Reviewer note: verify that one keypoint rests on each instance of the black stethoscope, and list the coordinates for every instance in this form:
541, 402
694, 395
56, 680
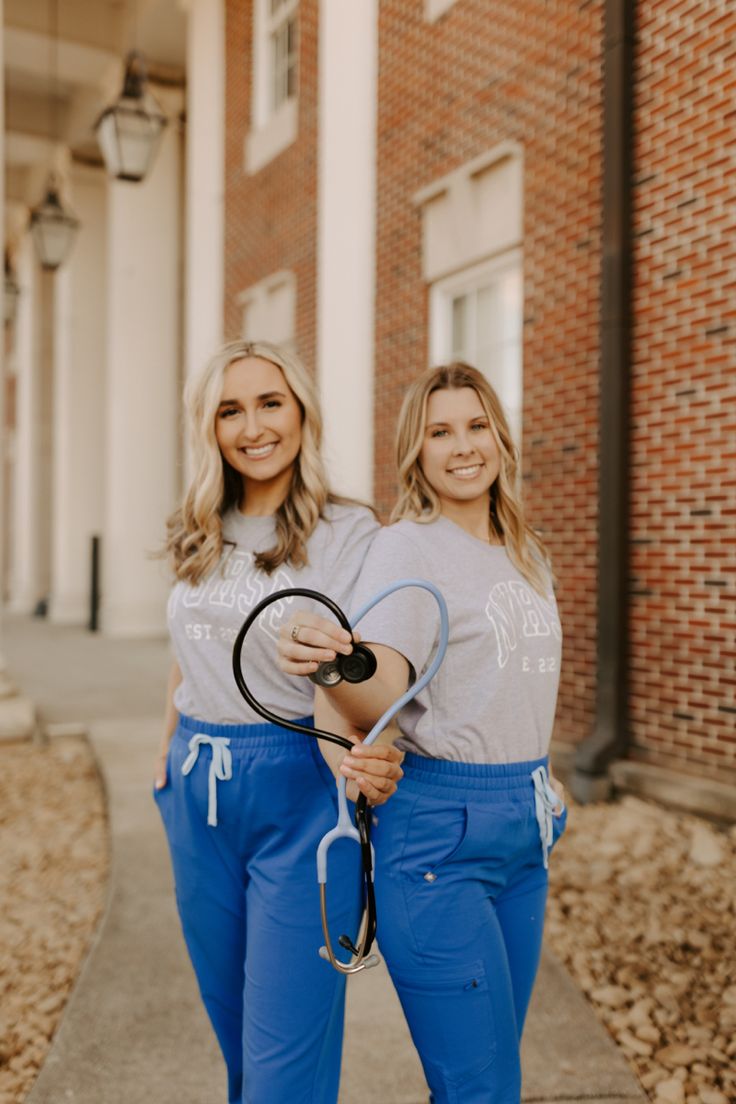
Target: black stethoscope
356, 667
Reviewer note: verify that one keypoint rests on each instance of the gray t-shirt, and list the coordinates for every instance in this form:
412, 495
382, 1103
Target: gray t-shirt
493, 699
204, 620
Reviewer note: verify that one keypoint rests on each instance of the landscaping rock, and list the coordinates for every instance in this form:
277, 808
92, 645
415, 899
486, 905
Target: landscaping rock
53, 873
653, 945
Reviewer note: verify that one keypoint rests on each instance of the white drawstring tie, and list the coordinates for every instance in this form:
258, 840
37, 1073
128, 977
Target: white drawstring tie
221, 767
547, 805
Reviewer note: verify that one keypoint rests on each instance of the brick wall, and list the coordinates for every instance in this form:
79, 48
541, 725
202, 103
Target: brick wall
447, 92
450, 91
683, 616
271, 217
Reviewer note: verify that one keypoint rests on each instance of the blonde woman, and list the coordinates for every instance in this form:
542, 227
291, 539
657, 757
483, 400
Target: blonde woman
462, 848
244, 804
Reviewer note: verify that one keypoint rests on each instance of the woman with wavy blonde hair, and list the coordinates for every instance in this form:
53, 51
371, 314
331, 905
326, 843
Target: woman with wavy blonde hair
462, 848
244, 804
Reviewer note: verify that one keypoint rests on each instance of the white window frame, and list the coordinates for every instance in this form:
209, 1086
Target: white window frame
259, 300
441, 296
273, 128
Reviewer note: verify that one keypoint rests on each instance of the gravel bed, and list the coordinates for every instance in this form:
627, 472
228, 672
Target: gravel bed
642, 911
53, 876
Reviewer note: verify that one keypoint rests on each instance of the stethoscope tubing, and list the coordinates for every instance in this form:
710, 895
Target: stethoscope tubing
385, 719
344, 828
256, 706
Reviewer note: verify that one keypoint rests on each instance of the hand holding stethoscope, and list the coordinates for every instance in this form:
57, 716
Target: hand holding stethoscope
314, 646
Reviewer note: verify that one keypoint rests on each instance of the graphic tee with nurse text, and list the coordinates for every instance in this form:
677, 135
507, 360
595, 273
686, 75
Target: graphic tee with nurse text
493, 699
204, 620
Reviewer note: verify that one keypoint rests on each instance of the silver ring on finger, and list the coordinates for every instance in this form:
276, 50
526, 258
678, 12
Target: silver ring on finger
295, 632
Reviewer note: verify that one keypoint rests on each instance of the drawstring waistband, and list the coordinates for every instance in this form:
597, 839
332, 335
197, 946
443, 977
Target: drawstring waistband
547, 805
221, 767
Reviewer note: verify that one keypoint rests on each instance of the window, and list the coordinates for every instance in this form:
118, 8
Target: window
274, 117
472, 230
476, 316
282, 49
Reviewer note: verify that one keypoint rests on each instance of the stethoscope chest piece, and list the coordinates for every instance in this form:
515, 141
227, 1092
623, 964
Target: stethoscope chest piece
359, 666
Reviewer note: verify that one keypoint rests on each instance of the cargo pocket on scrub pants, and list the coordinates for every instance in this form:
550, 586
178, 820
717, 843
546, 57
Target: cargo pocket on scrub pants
450, 1017
427, 855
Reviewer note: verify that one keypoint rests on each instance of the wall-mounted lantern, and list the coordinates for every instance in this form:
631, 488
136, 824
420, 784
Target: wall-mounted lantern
129, 131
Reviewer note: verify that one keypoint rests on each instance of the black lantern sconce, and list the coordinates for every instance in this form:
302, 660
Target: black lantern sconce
129, 131
52, 227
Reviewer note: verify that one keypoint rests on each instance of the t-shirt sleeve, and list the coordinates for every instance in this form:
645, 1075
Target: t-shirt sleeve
408, 620
352, 533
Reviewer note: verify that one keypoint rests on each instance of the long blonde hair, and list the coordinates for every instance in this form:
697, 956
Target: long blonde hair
194, 531
419, 501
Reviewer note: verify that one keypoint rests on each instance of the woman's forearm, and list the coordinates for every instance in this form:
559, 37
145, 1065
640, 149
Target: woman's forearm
373, 771
361, 704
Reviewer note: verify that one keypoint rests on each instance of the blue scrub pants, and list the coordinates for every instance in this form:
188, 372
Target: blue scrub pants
461, 886
243, 852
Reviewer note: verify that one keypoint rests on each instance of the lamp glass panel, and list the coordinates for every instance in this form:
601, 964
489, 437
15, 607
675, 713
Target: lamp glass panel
53, 237
129, 137
138, 140
107, 137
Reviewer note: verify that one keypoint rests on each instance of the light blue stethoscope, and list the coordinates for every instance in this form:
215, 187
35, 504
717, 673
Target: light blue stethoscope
357, 667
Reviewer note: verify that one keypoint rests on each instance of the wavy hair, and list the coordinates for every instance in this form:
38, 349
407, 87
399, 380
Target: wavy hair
419, 501
194, 531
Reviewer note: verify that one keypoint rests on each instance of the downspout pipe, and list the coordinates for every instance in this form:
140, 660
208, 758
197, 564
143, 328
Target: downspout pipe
609, 738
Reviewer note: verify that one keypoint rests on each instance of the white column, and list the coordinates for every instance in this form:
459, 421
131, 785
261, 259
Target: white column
205, 181
79, 409
143, 353
5, 686
29, 575
348, 74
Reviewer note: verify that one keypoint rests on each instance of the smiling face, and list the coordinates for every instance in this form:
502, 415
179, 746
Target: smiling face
459, 455
258, 427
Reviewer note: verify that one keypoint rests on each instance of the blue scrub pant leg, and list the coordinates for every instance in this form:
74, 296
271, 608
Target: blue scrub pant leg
521, 920
249, 905
462, 888
466, 1019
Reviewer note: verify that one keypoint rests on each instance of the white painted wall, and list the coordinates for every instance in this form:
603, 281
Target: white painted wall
348, 75
142, 400
79, 410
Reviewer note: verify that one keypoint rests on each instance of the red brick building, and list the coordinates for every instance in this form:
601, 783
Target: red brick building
507, 143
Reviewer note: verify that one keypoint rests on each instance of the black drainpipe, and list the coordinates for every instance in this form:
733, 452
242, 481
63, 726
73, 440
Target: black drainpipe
608, 739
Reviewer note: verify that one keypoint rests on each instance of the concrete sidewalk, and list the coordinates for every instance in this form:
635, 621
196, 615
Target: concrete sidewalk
134, 1031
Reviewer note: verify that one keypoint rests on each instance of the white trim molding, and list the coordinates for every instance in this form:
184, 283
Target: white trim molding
269, 309
474, 212
433, 9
